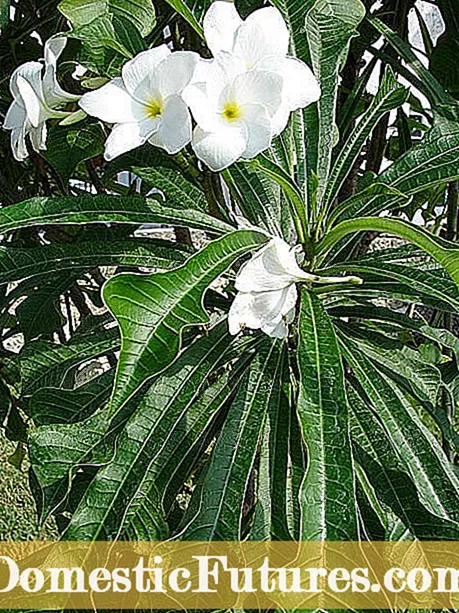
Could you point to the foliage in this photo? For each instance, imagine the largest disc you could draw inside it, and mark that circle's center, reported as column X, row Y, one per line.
column 142, row 416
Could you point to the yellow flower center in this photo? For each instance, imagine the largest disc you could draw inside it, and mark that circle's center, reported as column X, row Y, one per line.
column 154, row 108
column 232, row 111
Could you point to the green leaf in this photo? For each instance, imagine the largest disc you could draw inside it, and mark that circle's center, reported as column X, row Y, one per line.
column 103, row 209
column 4, row 12
column 40, row 312
column 158, row 421
column 424, row 282
column 444, row 252
column 179, row 192
column 431, row 162
column 429, row 84
column 330, row 26
column 67, row 147
column 152, row 311
column 46, row 364
column 328, row 490
column 418, row 450
column 83, row 12
column 215, row 512
column 192, row 11
column 389, row 480
column 257, row 195
column 24, row 263
column 390, row 96
column 271, row 520
column 60, row 406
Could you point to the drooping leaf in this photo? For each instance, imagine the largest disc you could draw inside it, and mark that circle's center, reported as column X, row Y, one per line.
column 328, row 489
column 25, row 263
column 152, row 311
column 60, row 406
column 46, row 364
column 103, row 209
column 444, row 252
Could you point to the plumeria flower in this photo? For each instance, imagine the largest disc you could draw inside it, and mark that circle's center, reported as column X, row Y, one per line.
column 261, row 42
column 37, row 97
column 234, row 112
column 145, row 103
column 267, row 293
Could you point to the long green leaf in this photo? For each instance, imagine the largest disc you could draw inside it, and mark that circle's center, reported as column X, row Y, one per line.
column 103, row 511
column 25, row 263
column 390, row 96
column 103, row 209
column 416, row 447
column 444, row 252
column 152, row 311
column 392, row 484
column 46, row 364
column 216, row 510
column 328, row 490
column 330, row 26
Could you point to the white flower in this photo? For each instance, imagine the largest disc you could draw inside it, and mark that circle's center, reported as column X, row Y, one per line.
column 37, row 96
column 233, row 111
column 261, row 42
column 145, row 103
column 267, row 293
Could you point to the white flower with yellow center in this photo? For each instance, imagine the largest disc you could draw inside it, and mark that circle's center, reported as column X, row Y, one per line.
column 233, row 111
column 261, row 43
column 37, row 97
column 267, row 293
column 145, row 103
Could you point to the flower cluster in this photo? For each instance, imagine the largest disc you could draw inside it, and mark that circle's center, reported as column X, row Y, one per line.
column 240, row 100
column 37, row 96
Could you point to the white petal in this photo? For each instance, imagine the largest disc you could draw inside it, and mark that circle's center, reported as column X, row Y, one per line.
column 273, row 267
column 266, row 310
column 15, row 117
column 263, row 33
column 220, row 26
column 300, row 87
column 139, row 73
column 54, row 95
column 54, row 48
column 113, row 104
column 259, row 87
column 31, row 72
column 219, row 74
column 176, row 72
column 32, row 103
column 280, row 120
column 222, row 148
column 205, row 111
column 18, row 144
column 259, row 133
column 127, row 136
column 38, row 137
column 174, row 132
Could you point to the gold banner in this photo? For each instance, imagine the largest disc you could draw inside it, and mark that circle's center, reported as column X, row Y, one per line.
column 222, row 575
